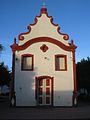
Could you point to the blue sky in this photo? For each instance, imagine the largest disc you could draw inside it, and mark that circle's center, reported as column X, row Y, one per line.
column 73, row 17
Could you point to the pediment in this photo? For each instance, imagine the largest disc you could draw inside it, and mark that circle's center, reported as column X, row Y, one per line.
column 43, row 26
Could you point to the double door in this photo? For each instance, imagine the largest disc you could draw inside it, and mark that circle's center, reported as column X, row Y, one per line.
column 44, row 91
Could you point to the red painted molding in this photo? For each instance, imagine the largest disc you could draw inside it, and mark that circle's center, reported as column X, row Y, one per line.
column 21, row 37
column 43, row 11
column 66, row 37
column 71, row 46
column 52, row 85
column 12, row 91
column 44, row 76
column 27, row 55
column 74, row 75
column 65, row 61
column 14, row 46
column 52, row 90
column 44, row 48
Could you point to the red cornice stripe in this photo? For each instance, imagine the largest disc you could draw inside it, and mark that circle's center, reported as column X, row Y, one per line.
column 71, row 47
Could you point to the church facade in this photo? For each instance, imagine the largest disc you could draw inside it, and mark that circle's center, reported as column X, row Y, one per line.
column 43, row 66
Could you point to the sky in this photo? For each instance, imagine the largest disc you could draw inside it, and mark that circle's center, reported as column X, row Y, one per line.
column 73, row 17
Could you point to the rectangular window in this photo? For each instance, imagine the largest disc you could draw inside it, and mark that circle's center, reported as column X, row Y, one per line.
column 60, row 63
column 27, row 62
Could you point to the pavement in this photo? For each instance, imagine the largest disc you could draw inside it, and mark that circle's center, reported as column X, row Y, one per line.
column 82, row 111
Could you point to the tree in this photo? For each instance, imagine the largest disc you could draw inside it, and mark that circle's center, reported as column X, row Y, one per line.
column 83, row 74
column 5, row 75
column 1, row 47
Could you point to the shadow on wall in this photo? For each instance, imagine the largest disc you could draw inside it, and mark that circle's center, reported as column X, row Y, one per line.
column 26, row 96
column 64, row 98
column 25, row 88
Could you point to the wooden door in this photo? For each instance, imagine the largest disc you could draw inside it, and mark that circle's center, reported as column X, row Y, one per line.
column 44, row 91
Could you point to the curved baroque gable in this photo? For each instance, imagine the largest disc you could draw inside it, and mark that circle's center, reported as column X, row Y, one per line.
column 43, row 26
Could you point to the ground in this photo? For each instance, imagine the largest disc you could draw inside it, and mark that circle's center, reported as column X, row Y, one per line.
column 82, row 111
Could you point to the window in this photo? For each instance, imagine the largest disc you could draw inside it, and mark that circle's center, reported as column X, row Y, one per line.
column 60, row 63
column 27, row 62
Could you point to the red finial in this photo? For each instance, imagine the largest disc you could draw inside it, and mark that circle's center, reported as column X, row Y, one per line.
column 14, row 45
column 72, row 42
column 44, row 9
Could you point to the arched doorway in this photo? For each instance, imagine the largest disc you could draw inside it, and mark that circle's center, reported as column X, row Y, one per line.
column 44, row 91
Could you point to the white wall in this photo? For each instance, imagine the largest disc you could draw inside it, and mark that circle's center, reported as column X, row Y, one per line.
column 25, row 80
column 43, row 28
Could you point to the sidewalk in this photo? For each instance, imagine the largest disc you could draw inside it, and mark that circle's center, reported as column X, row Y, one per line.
column 80, row 112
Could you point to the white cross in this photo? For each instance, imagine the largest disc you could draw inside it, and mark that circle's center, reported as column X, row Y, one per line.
column 44, row 4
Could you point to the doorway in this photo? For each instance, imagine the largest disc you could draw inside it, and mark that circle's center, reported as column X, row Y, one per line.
column 44, row 90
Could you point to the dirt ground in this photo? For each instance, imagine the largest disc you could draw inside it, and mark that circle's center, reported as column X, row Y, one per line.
column 82, row 111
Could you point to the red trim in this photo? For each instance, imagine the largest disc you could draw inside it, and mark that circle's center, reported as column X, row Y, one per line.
column 43, row 11
column 74, row 74
column 51, row 20
column 21, row 37
column 27, row 55
column 44, row 48
column 52, row 89
column 36, row 86
column 12, row 92
column 66, row 37
column 13, row 70
column 14, row 45
column 35, row 22
column 71, row 47
column 74, row 69
column 65, row 61
column 42, row 77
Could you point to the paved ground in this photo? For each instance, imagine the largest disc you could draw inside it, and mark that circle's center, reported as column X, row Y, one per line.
column 80, row 112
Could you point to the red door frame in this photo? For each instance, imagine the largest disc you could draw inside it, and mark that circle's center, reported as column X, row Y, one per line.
column 36, row 86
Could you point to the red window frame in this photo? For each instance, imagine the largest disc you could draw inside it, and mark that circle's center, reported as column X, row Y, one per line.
column 22, row 58
column 57, row 66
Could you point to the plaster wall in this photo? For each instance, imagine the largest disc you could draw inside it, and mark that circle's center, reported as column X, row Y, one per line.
column 42, row 28
column 25, row 80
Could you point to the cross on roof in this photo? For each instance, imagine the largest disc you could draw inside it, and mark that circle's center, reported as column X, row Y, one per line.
column 44, row 4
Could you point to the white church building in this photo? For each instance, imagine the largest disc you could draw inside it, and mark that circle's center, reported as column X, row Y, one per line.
column 43, row 65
